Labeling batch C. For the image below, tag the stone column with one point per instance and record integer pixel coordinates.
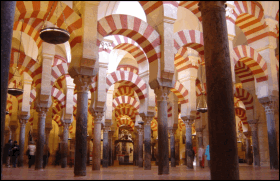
(172, 133)
(254, 129)
(147, 142)
(64, 145)
(189, 154)
(105, 147)
(21, 140)
(110, 155)
(200, 142)
(140, 145)
(7, 23)
(42, 112)
(96, 150)
(177, 151)
(162, 96)
(13, 128)
(136, 153)
(272, 140)
(82, 84)
(224, 158)
(88, 149)
(7, 134)
(248, 148)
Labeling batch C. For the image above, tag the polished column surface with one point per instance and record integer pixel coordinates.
(256, 154)
(140, 145)
(64, 151)
(105, 147)
(41, 137)
(7, 23)
(272, 140)
(189, 153)
(147, 142)
(161, 97)
(221, 114)
(172, 146)
(110, 155)
(248, 150)
(96, 151)
(82, 84)
(21, 141)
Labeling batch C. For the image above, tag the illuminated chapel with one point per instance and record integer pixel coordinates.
(139, 87)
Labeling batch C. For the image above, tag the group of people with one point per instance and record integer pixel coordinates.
(12, 151)
(201, 154)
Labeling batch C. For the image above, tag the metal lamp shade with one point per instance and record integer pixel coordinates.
(15, 91)
(54, 35)
(202, 104)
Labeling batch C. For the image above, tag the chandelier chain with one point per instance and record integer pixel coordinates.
(48, 16)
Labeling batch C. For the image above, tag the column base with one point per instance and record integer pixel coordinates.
(80, 173)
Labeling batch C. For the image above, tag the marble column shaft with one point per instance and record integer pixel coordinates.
(7, 23)
(272, 140)
(110, 155)
(147, 143)
(163, 156)
(177, 151)
(221, 114)
(82, 83)
(248, 151)
(96, 150)
(105, 159)
(140, 146)
(64, 145)
(41, 137)
(189, 153)
(254, 130)
(136, 143)
(172, 147)
(21, 141)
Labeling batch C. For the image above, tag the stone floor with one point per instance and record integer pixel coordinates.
(131, 172)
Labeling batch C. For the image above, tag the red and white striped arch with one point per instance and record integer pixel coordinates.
(59, 60)
(249, 17)
(245, 97)
(193, 7)
(134, 49)
(56, 118)
(152, 7)
(40, 10)
(126, 109)
(26, 64)
(181, 92)
(127, 122)
(243, 72)
(199, 87)
(277, 26)
(129, 68)
(60, 96)
(154, 125)
(241, 113)
(134, 28)
(253, 60)
(126, 100)
(32, 96)
(58, 71)
(189, 38)
(56, 108)
(181, 60)
(124, 91)
(121, 76)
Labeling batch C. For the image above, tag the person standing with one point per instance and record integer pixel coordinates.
(15, 153)
(46, 154)
(7, 152)
(31, 154)
(207, 153)
(200, 157)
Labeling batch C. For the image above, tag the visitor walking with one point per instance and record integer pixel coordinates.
(200, 157)
(31, 153)
(15, 153)
(7, 152)
(207, 153)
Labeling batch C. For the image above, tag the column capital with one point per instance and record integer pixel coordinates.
(208, 5)
(162, 93)
(106, 129)
(82, 82)
(171, 131)
(66, 125)
(271, 23)
(23, 122)
(188, 122)
(111, 133)
(253, 124)
(140, 131)
(97, 116)
(247, 134)
(199, 132)
(42, 111)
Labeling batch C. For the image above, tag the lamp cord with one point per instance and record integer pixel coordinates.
(48, 16)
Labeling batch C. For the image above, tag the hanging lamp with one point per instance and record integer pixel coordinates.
(17, 89)
(54, 35)
(202, 103)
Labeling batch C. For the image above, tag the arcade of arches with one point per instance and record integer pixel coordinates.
(125, 88)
